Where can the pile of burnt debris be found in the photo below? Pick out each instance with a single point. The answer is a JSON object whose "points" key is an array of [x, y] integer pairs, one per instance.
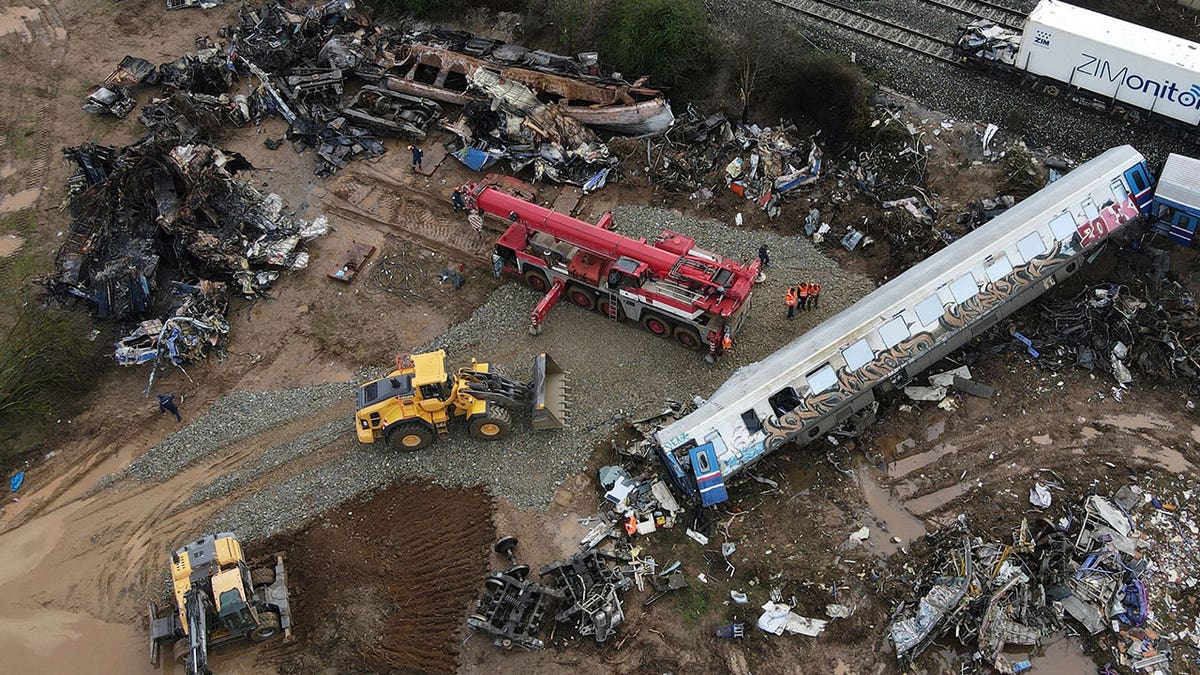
{"points": [[1114, 568], [160, 229], [343, 83], [1147, 323]]}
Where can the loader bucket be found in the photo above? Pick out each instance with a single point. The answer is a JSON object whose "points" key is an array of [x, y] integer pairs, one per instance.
{"points": [[549, 394]]}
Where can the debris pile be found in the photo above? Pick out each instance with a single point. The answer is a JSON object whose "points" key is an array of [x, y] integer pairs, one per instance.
{"points": [[1115, 328], [156, 216], [1118, 566], [983, 39]]}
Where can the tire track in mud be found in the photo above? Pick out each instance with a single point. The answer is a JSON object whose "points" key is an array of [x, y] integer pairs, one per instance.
{"points": [[384, 582], [374, 201]]}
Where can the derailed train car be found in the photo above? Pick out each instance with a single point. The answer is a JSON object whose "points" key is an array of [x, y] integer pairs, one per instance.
{"points": [[1094, 59], [829, 376]]}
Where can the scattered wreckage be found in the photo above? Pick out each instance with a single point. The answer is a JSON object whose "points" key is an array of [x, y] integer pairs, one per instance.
{"points": [[163, 229], [1095, 568]]}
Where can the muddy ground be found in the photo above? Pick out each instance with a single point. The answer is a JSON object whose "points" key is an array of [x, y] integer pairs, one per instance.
{"points": [[384, 584]]}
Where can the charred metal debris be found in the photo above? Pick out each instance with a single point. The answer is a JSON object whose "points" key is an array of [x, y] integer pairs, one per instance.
{"points": [[343, 83], [1115, 568], [162, 229]]}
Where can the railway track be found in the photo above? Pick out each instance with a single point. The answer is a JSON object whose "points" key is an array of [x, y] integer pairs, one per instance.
{"points": [[879, 28], [984, 9]]}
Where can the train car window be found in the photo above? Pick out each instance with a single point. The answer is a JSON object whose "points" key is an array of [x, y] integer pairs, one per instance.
{"points": [[1031, 246], [702, 462], [821, 379], [1139, 183], [929, 310], [750, 419], [1063, 227], [858, 354], [1090, 210], [784, 401], [1119, 191], [999, 268], [893, 332], [964, 288]]}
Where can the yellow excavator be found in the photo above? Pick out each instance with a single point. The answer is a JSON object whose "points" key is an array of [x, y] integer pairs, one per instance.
{"points": [[414, 404], [219, 599]]}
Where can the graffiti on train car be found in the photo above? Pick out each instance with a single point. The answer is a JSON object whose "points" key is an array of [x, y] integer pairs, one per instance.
{"points": [[781, 429]]}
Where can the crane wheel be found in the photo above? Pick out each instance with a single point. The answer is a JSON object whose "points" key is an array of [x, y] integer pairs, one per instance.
{"points": [[610, 309], [688, 337], [657, 325], [268, 626], [536, 279], [582, 297], [493, 425], [408, 437], [262, 576], [182, 649]]}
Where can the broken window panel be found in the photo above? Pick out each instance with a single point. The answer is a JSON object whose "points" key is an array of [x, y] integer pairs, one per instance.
{"points": [[784, 401], [1119, 191], [1031, 246], [821, 379], [929, 310], [893, 332], [964, 288], [858, 354], [750, 419]]}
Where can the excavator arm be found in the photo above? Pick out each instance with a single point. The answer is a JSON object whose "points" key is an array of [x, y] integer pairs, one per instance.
{"points": [[197, 620]]}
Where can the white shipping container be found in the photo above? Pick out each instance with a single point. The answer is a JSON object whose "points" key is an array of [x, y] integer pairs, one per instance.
{"points": [[1113, 58]]}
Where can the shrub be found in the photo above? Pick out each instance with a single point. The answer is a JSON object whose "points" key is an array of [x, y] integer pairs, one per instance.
{"points": [[831, 94], [669, 40]]}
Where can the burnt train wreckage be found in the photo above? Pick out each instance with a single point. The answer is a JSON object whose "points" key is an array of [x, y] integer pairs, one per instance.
{"points": [[828, 376]]}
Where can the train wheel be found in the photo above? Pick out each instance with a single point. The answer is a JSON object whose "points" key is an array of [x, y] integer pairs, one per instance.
{"points": [[536, 279], [688, 337], [582, 297], [657, 325], [611, 309]]}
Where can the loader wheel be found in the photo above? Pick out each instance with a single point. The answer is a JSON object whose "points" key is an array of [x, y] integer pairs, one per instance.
{"points": [[688, 337], [536, 280], [262, 576], [582, 297], [492, 425], [408, 437], [268, 626], [657, 325], [182, 649]]}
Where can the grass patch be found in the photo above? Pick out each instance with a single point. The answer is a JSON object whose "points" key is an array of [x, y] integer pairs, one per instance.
{"points": [[693, 605]]}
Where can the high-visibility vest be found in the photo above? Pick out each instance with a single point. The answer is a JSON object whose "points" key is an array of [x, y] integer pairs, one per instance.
{"points": [[802, 290], [727, 343], [814, 289], [791, 298]]}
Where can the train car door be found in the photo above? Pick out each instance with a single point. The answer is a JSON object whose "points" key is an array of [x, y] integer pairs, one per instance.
{"points": [[708, 474], [1138, 179]]}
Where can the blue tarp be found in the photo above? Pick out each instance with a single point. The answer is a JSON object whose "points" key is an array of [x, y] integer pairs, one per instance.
{"points": [[15, 482]]}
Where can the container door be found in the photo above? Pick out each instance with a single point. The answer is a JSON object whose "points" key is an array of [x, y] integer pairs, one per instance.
{"points": [[708, 475]]}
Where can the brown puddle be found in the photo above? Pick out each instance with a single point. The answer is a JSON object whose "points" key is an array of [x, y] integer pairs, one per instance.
{"points": [[1134, 422], [10, 244], [891, 518], [19, 200], [936, 500], [891, 447], [906, 465], [1169, 458], [935, 430]]}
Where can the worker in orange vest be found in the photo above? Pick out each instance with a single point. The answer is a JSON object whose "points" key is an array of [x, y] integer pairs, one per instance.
{"points": [[802, 295], [726, 344], [790, 299], [814, 294]]}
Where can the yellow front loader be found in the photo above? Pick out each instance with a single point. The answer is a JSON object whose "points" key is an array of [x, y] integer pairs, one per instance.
{"points": [[414, 404]]}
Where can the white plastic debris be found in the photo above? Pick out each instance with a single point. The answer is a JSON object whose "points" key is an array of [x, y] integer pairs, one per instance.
{"points": [[1039, 496], [738, 597], [860, 535], [699, 538]]}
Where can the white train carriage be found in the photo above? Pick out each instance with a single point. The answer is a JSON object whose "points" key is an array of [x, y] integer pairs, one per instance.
{"points": [[829, 374]]}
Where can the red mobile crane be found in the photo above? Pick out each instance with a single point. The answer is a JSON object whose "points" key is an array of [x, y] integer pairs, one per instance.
{"points": [[670, 287]]}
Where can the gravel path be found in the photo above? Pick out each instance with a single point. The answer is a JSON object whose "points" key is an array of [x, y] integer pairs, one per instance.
{"points": [[615, 370], [1064, 128], [270, 460], [233, 418]]}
